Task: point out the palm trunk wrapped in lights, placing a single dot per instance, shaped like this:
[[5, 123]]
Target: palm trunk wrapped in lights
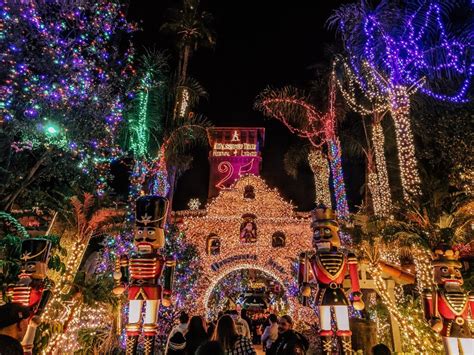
[[319, 166], [400, 110], [385, 200], [424, 269], [334, 150]]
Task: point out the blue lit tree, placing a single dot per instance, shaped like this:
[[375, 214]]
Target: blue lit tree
[[406, 48]]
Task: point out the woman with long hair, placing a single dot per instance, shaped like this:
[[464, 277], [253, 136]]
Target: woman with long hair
[[196, 335], [230, 340]]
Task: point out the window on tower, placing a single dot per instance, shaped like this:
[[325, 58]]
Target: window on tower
[[278, 240], [249, 192]]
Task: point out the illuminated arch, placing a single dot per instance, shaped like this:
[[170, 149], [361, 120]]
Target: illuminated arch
[[204, 301]]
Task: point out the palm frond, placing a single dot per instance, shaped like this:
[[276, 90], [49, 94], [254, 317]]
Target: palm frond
[[292, 107], [78, 211], [88, 203], [103, 216], [186, 134], [196, 90]]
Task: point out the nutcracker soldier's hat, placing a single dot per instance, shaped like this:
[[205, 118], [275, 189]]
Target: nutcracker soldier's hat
[[151, 211], [35, 250], [322, 215], [443, 254]]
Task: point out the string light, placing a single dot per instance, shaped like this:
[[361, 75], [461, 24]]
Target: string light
[[424, 269], [342, 209], [403, 62], [417, 338], [74, 74], [400, 109], [183, 101], [81, 316], [320, 168], [139, 131], [383, 199], [291, 108], [194, 204], [377, 105]]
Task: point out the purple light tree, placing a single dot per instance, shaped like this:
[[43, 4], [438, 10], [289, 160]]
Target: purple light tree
[[406, 49]]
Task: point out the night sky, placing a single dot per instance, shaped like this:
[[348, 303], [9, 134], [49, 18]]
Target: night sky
[[259, 43]]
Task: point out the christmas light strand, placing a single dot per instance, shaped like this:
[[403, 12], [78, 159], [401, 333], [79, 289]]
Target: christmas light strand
[[342, 209], [290, 107], [417, 338], [383, 195], [377, 105], [400, 109], [320, 168]]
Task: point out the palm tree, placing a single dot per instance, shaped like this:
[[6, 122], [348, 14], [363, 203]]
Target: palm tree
[[294, 109], [88, 221], [318, 163], [192, 29], [367, 100], [181, 137], [445, 219], [405, 49], [161, 131]]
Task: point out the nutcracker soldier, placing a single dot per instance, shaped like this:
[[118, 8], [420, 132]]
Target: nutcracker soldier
[[329, 266], [447, 306], [142, 272], [33, 287]]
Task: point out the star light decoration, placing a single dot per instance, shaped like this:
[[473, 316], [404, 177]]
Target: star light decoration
[[293, 109], [194, 204], [224, 216], [407, 54]]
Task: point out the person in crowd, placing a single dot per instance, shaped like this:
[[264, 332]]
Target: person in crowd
[[289, 341], [210, 348], [196, 335], [270, 334], [14, 319], [254, 324], [245, 317], [232, 342], [241, 325], [176, 343], [381, 349], [212, 325]]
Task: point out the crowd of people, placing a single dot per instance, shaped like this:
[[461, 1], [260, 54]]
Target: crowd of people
[[233, 333]]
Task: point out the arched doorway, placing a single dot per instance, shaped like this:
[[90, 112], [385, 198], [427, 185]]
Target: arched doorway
[[253, 289]]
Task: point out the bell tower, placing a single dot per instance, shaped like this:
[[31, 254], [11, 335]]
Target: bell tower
[[235, 151]]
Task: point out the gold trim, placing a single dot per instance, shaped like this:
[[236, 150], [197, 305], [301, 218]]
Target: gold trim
[[324, 270], [141, 293], [443, 296]]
